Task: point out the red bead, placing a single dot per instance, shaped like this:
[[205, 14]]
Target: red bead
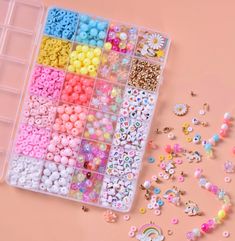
[[205, 228]]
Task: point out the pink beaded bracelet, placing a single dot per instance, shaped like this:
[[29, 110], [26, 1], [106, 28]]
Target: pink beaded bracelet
[[222, 213]]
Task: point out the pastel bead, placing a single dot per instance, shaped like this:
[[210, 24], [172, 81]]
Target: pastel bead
[[221, 214]]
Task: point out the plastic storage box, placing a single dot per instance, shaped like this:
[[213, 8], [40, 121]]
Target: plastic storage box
[[83, 108]]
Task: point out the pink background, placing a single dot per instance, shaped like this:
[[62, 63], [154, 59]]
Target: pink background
[[201, 59]]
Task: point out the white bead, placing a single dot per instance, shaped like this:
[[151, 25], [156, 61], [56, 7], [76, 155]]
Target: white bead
[[48, 183], [46, 172], [147, 184], [227, 116]]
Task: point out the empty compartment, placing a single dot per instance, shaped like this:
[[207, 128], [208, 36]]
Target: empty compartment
[[5, 135], [4, 6], [18, 45], [26, 16], [8, 110], [12, 74]]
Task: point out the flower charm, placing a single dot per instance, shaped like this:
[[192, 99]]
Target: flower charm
[[155, 41]]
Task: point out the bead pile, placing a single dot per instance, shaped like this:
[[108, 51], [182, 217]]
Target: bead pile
[[88, 110]]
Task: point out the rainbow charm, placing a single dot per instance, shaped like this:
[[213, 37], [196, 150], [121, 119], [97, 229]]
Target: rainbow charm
[[173, 196], [150, 232]]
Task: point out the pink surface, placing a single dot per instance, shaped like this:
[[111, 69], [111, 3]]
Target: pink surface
[[201, 59]]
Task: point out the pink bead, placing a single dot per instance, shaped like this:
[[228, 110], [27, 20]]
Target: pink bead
[[174, 220], [208, 186], [224, 127], [205, 228], [181, 178], [64, 160], [168, 149], [223, 133], [198, 173]]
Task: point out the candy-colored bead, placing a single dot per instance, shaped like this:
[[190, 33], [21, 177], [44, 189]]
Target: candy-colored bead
[[221, 214], [205, 228]]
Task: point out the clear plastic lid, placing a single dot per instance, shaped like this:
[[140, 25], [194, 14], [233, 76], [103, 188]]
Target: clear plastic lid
[[20, 26]]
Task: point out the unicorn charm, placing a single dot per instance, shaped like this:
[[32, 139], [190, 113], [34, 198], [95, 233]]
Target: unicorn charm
[[192, 209]]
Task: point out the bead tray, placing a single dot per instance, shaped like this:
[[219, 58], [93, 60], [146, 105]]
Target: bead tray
[[87, 110]]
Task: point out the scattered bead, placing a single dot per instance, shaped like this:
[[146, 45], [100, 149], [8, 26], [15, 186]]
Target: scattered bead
[[133, 228], [227, 179], [171, 136], [131, 234], [54, 52], [174, 220], [229, 167], [157, 212], [110, 216], [151, 160], [126, 217], [226, 234]]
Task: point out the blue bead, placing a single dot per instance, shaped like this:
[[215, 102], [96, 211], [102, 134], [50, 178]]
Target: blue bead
[[93, 32], [84, 18], [208, 147], [92, 42], [216, 137], [151, 159], [102, 25], [160, 202], [100, 43], [92, 23], [84, 27], [156, 190], [102, 35], [83, 35]]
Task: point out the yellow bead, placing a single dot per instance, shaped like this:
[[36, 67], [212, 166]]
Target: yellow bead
[[221, 214], [185, 125], [77, 63], [106, 135], [74, 55], [161, 157], [81, 56], [85, 48], [169, 157], [95, 61], [91, 68], [86, 134], [108, 46], [97, 52], [86, 62], [90, 54], [186, 132], [93, 74], [189, 139], [71, 68], [142, 210], [84, 70], [79, 48], [90, 118]]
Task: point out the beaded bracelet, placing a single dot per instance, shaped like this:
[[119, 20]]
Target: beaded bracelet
[[222, 213], [217, 137]]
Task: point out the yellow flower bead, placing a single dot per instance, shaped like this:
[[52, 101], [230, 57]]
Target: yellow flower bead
[[77, 63], [74, 55], [93, 74], [106, 135]]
